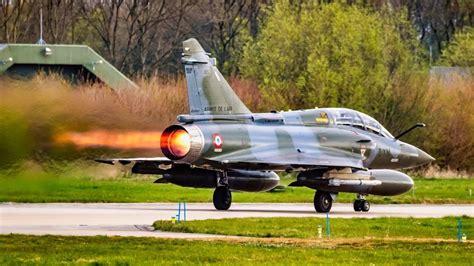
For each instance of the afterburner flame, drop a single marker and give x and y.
(179, 143)
(111, 139)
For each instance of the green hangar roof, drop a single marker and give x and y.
(76, 62)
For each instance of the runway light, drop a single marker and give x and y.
(111, 139)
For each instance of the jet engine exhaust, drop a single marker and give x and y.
(181, 142)
(177, 143)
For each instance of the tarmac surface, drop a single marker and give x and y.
(135, 219)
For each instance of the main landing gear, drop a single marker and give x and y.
(361, 204)
(222, 197)
(322, 201)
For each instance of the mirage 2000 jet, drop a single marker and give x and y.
(221, 144)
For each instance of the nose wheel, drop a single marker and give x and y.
(322, 201)
(361, 204)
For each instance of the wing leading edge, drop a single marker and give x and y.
(126, 161)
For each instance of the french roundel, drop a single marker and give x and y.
(217, 141)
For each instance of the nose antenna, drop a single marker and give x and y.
(410, 129)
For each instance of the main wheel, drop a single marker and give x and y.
(358, 205)
(322, 201)
(365, 206)
(222, 198)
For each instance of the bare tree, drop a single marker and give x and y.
(155, 28)
(222, 23)
(14, 19)
(59, 18)
(435, 20)
(137, 36)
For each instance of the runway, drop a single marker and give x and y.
(135, 219)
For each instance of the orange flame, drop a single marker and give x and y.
(111, 139)
(179, 143)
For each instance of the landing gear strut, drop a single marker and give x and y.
(322, 201)
(361, 204)
(222, 197)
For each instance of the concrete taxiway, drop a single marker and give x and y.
(134, 219)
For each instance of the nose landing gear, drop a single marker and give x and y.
(222, 198)
(361, 204)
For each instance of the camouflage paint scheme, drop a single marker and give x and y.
(332, 149)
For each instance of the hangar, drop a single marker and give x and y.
(77, 63)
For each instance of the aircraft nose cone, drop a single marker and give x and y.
(424, 158)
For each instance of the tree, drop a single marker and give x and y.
(461, 51)
(435, 21)
(138, 37)
(224, 27)
(228, 21)
(14, 20)
(330, 55)
(59, 16)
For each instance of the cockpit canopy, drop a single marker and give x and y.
(348, 117)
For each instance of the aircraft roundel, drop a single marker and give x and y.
(217, 141)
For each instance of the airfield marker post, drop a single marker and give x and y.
(179, 212)
(459, 230)
(320, 231)
(184, 207)
(328, 230)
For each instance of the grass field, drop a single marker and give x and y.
(21, 249)
(77, 186)
(380, 228)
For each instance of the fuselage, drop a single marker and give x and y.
(322, 136)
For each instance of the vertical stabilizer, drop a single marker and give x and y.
(208, 91)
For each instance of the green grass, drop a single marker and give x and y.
(79, 187)
(433, 228)
(33, 250)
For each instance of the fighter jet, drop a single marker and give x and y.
(222, 145)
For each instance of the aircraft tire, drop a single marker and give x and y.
(222, 198)
(358, 205)
(365, 206)
(322, 201)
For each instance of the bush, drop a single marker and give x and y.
(330, 55)
(460, 52)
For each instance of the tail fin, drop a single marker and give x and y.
(208, 91)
